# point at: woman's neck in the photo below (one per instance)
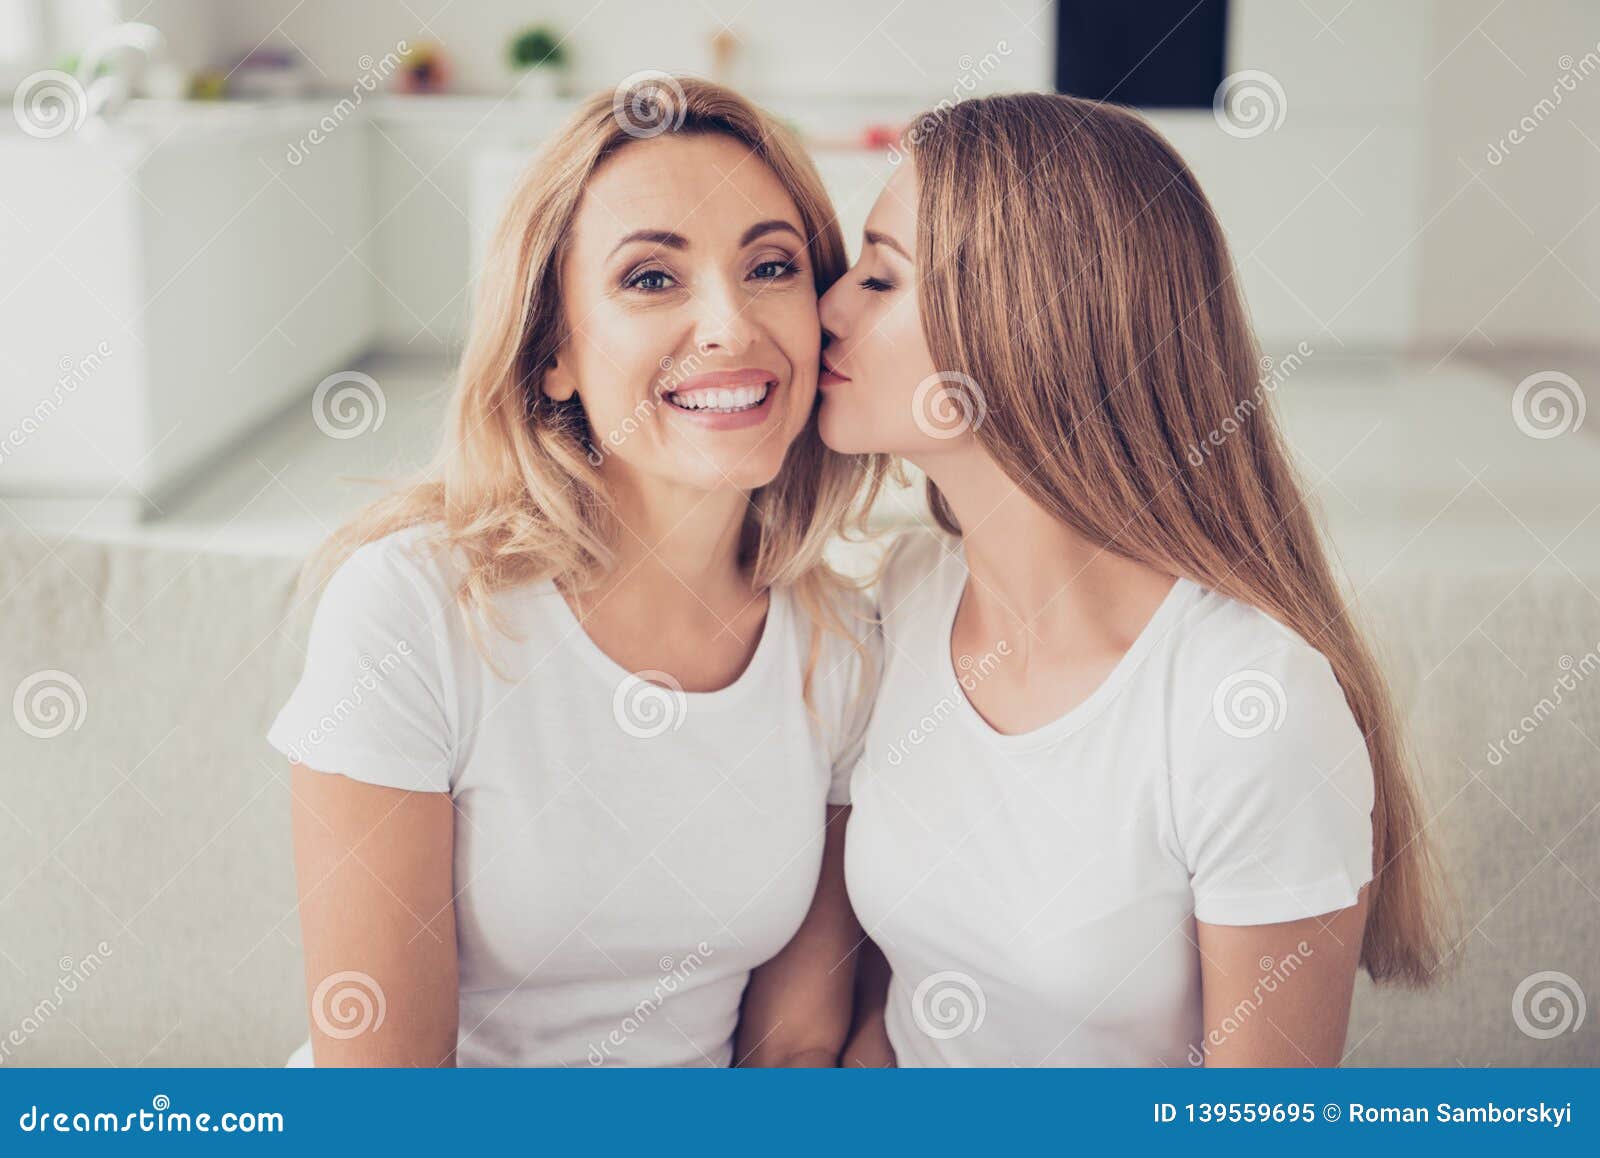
(675, 546)
(1034, 578)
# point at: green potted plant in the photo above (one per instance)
(538, 62)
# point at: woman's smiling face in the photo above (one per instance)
(877, 356)
(691, 314)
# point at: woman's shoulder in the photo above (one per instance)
(417, 554)
(1242, 673)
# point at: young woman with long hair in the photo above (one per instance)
(1134, 791)
(571, 745)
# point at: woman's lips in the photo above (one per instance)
(726, 380)
(829, 376)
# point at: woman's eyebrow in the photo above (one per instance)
(658, 236)
(679, 241)
(873, 237)
(772, 225)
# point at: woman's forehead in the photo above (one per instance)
(701, 186)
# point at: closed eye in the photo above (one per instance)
(876, 285)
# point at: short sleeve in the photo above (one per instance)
(856, 696)
(1272, 798)
(371, 702)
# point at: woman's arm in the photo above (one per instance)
(869, 1046)
(377, 917)
(796, 1008)
(1279, 995)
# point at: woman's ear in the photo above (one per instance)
(559, 384)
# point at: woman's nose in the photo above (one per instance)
(830, 311)
(724, 323)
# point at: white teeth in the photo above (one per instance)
(723, 401)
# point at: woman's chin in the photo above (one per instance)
(839, 434)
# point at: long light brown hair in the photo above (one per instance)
(1071, 267)
(516, 487)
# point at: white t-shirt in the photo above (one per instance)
(1036, 894)
(624, 854)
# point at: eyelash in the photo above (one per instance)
(876, 285)
(788, 268)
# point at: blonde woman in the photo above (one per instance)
(1133, 792)
(569, 751)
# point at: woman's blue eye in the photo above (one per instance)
(650, 279)
(781, 268)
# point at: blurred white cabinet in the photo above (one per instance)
(170, 281)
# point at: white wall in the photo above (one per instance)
(1490, 278)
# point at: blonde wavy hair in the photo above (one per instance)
(1070, 265)
(516, 486)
